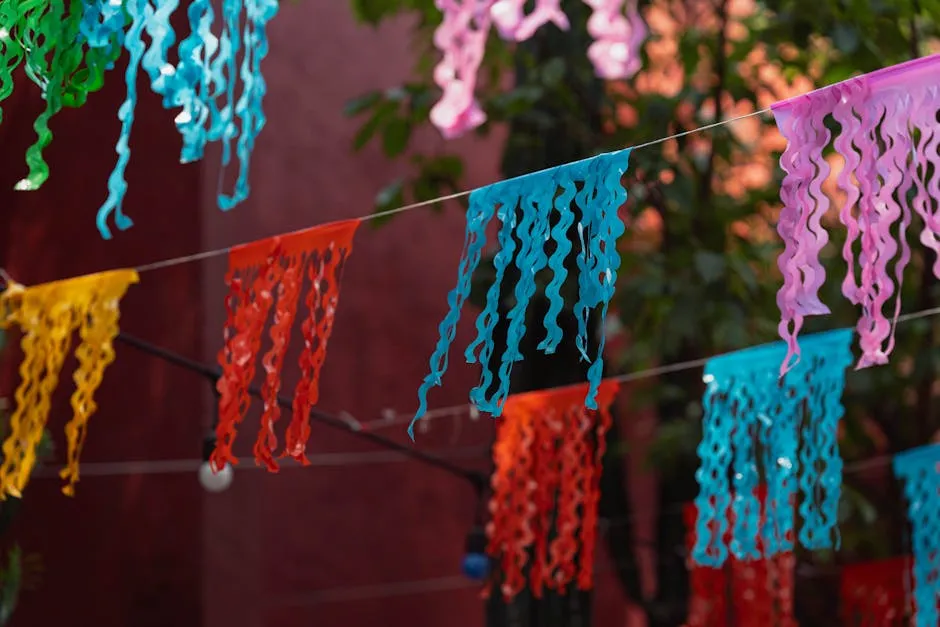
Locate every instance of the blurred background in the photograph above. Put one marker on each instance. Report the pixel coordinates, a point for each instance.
(364, 536)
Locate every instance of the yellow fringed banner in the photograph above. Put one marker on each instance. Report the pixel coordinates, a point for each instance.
(48, 315)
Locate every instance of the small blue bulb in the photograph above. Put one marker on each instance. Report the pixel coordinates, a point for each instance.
(475, 566)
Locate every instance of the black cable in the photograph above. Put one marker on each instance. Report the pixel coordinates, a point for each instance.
(476, 479)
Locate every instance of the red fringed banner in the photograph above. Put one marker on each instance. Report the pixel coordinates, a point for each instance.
(547, 467)
(760, 591)
(270, 274)
(876, 594)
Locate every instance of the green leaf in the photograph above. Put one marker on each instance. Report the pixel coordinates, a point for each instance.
(395, 136)
(846, 38)
(389, 197)
(357, 105)
(710, 266)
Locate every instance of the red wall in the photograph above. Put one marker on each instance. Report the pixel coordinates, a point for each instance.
(342, 543)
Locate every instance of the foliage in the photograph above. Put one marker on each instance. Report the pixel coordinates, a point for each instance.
(698, 275)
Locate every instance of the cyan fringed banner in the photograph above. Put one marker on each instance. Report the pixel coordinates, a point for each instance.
(919, 469)
(753, 425)
(202, 84)
(889, 139)
(594, 186)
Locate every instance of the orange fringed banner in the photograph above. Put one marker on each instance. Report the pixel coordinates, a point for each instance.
(546, 488)
(878, 594)
(48, 315)
(750, 593)
(271, 274)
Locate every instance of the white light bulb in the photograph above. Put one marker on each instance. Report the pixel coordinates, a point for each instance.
(215, 482)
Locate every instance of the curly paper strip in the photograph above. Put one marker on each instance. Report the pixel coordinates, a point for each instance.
(919, 470)
(546, 488)
(270, 274)
(745, 402)
(533, 196)
(139, 12)
(873, 593)
(461, 39)
(48, 315)
(888, 138)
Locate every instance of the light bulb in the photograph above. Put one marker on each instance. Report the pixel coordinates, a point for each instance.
(215, 481)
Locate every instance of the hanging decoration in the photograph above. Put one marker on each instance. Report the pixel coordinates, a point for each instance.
(875, 593)
(919, 470)
(202, 83)
(616, 26)
(889, 138)
(546, 488)
(271, 274)
(527, 206)
(48, 315)
(753, 424)
(761, 589)
(64, 50)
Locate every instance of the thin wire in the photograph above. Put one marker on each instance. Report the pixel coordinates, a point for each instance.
(446, 412)
(175, 261)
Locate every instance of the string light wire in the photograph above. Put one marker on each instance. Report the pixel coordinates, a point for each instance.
(209, 254)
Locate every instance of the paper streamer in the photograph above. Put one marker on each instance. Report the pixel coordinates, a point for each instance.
(761, 590)
(890, 141)
(51, 40)
(202, 84)
(461, 39)
(919, 470)
(873, 593)
(754, 421)
(271, 274)
(594, 186)
(48, 315)
(546, 488)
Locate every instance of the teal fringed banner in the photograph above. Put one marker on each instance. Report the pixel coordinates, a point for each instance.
(754, 422)
(541, 198)
(919, 469)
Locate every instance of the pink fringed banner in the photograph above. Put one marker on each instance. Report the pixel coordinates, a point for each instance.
(890, 142)
(616, 26)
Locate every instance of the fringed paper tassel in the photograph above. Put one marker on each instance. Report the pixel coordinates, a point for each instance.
(890, 140)
(761, 589)
(748, 409)
(919, 470)
(599, 197)
(271, 274)
(48, 315)
(465, 27)
(546, 488)
(873, 594)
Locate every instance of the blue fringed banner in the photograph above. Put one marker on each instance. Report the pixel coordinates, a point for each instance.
(594, 186)
(919, 469)
(754, 422)
(202, 84)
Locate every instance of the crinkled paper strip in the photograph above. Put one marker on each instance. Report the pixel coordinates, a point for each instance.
(616, 26)
(218, 100)
(753, 426)
(526, 207)
(546, 488)
(48, 315)
(890, 140)
(919, 470)
(268, 275)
